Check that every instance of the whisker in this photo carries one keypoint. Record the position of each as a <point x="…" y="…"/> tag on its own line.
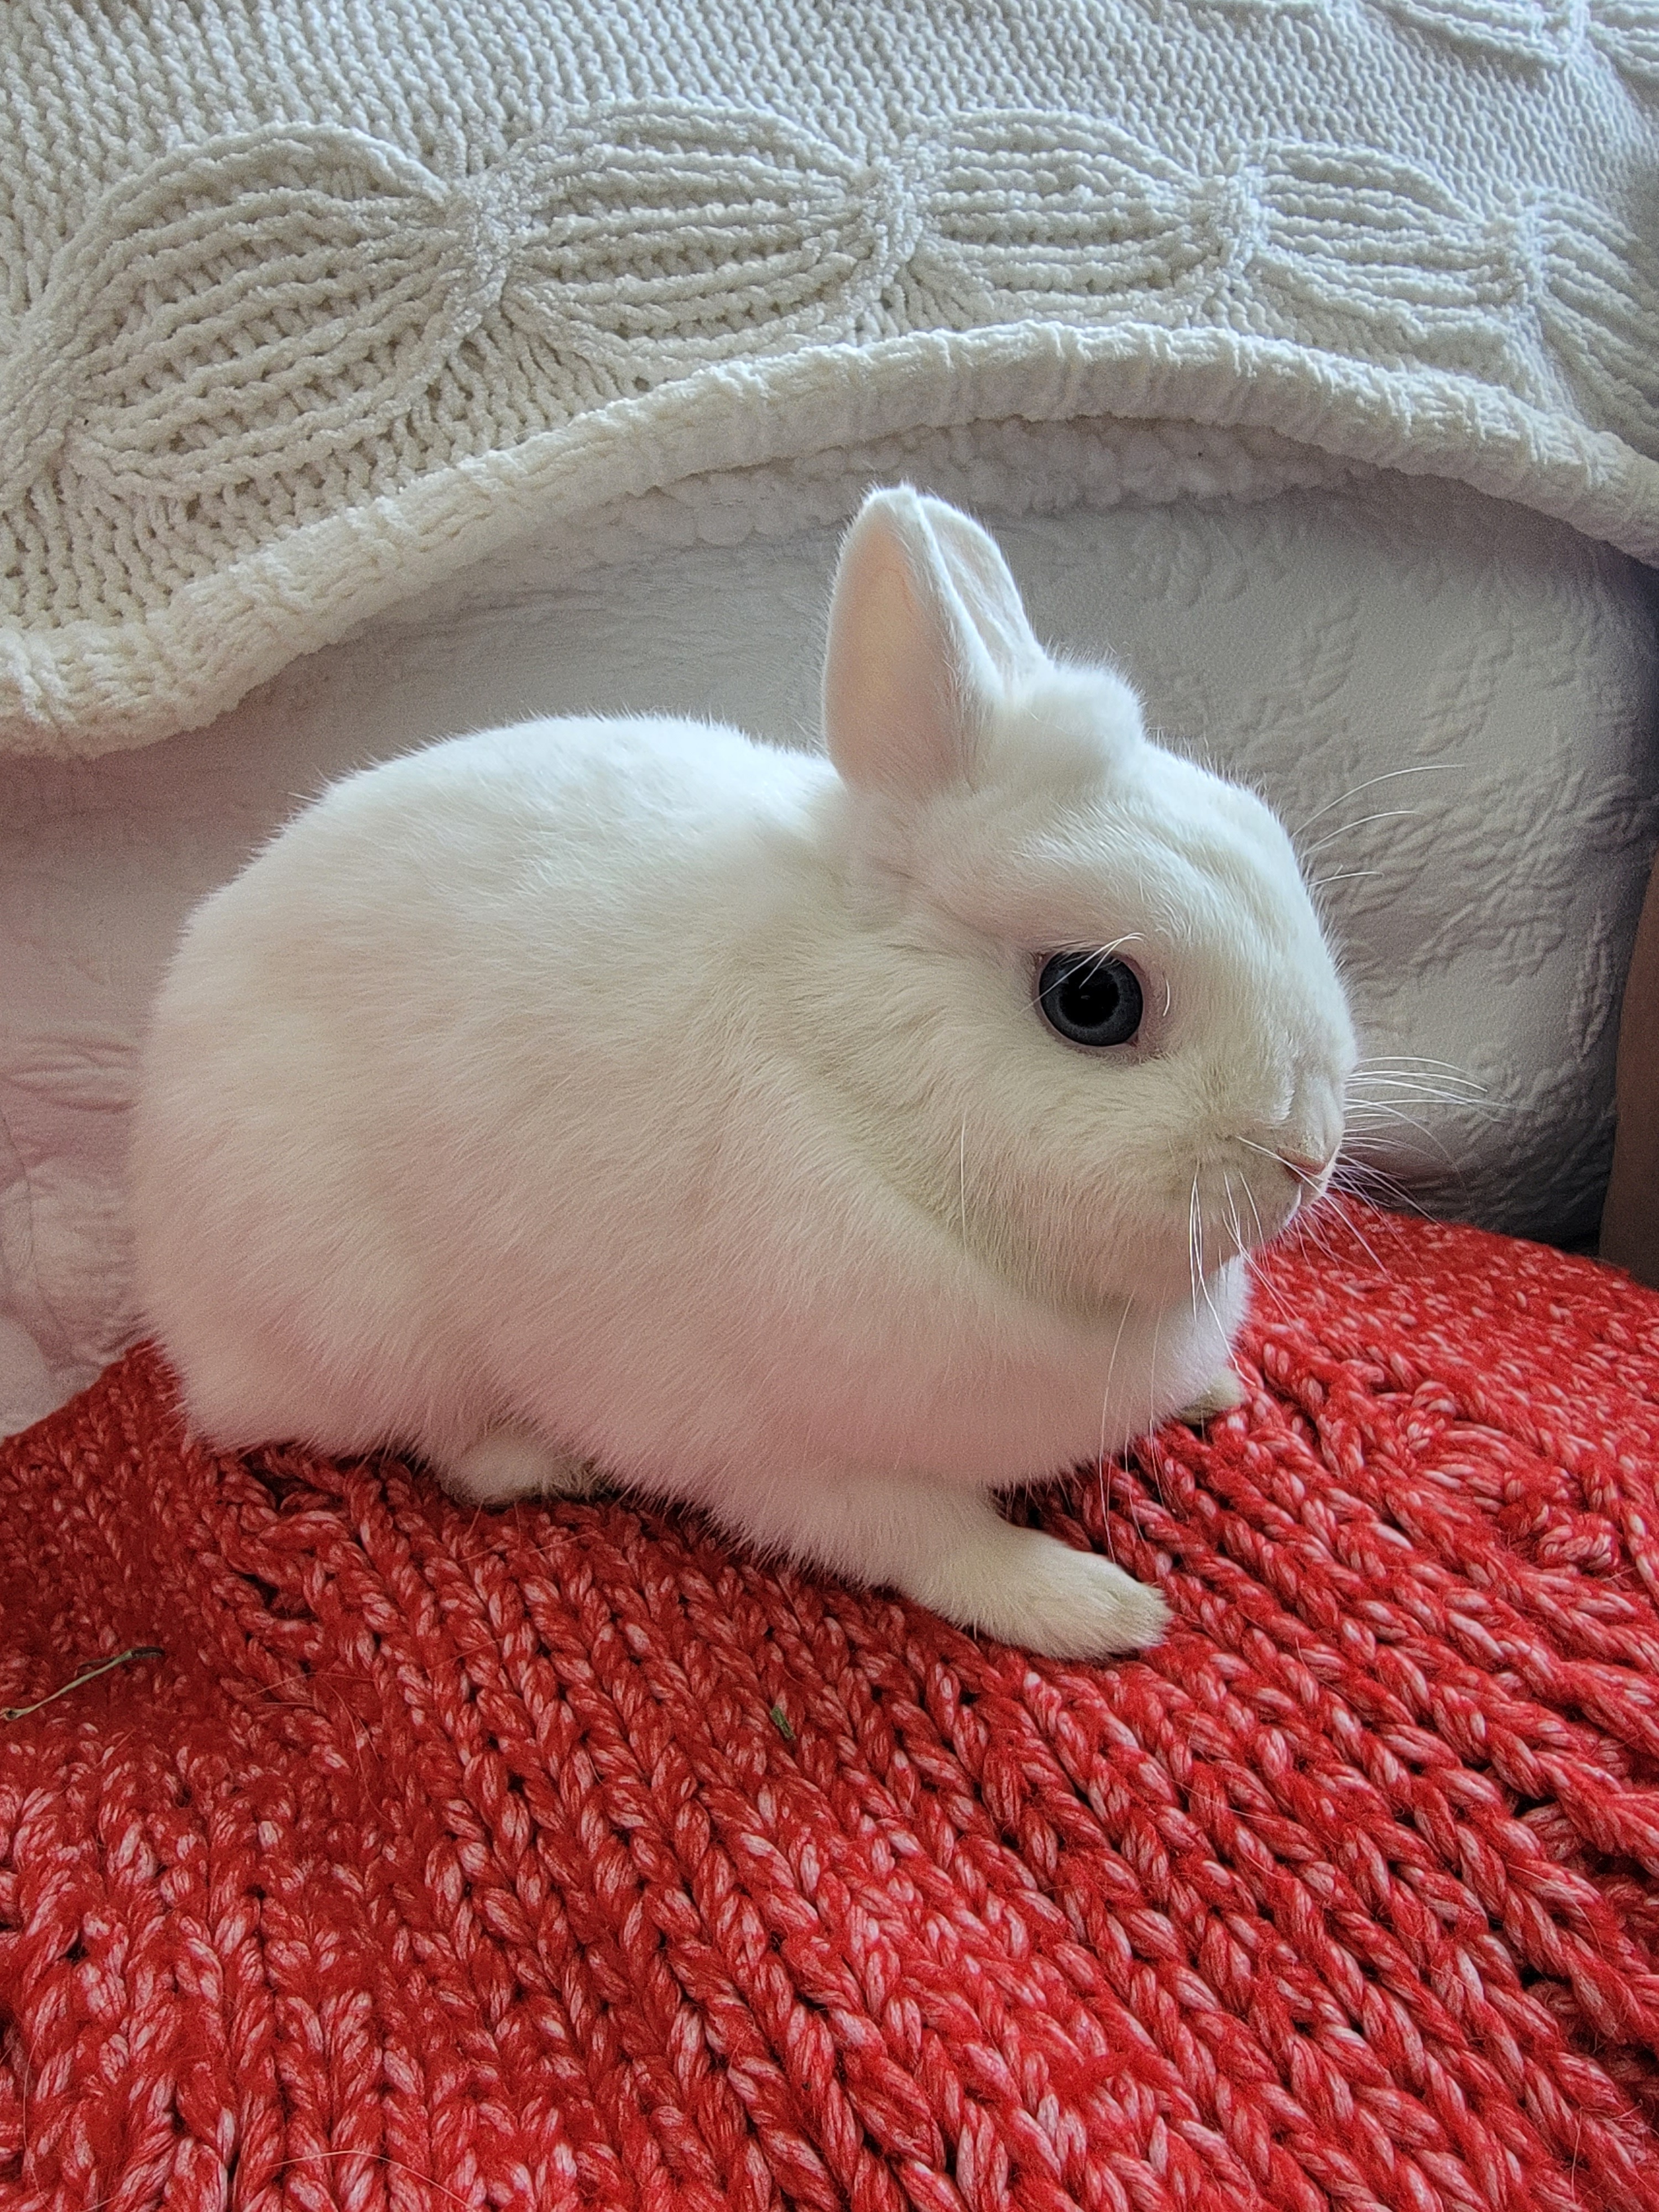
<point x="1390" y="1090"/>
<point x="1105" y="1407"/>
<point x="1391" y="1110"/>
<point x="1192" y="1240"/>
<point x="1203" y="1280"/>
<point x="1490" y="1110"/>
<point x="1424" y="768"/>
<point x="1386" y="814"/>
<point x="1308" y="1230"/>
<point x="1396" y="1113"/>
<point x="1418" y="1157"/>
<point x="1437" y="1081"/>
<point x="1242" y="1244"/>
<point x="1100" y="953"/>
<point x="1255" y="1211"/>
<point x="1380" y="1073"/>
<point x="1413" y="1059"/>
<point x="1149" y="1458"/>
<point x="1359" y="1178"/>
<point x="1323" y="1220"/>
<point x="1481" y="1108"/>
<point x="1261" y="1281"/>
<point x="1365" y="1243"/>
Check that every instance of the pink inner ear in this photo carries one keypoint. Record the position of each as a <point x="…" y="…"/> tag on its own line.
<point x="906" y="677"/>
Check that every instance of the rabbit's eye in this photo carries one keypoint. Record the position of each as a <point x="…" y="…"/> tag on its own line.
<point x="1090" y="997"/>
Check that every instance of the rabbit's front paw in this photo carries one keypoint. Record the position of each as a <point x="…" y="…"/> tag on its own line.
<point x="1032" y="1590"/>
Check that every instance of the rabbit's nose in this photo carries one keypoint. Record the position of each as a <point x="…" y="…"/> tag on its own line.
<point x="1309" y="1170"/>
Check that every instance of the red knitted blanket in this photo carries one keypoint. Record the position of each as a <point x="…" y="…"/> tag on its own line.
<point x="565" y="1858"/>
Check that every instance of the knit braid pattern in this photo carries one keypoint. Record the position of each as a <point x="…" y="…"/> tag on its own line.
<point x="566" y="1858"/>
<point x="302" y="307"/>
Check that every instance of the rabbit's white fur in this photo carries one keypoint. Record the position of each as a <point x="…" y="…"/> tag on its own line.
<point x="632" y="1097"/>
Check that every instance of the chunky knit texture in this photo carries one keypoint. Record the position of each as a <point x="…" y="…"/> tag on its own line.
<point x="562" y="1858"/>
<point x="304" y="306"/>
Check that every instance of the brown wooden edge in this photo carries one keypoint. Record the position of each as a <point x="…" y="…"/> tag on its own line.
<point x="1630" y="1215"/>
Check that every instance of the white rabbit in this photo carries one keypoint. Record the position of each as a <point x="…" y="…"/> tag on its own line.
<point x="831" y="1143"/>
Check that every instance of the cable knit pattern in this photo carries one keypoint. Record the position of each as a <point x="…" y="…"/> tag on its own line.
<point x="305" y="307"/>
<point x="563" y="1858"/>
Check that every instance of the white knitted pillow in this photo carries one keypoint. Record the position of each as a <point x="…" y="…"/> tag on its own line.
<point x="305" y="306"/>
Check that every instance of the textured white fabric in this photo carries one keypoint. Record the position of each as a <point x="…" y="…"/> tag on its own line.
<point x="1484" y="899"/>
<point x="307" y="306"/>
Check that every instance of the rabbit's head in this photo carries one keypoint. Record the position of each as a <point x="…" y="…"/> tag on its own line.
<point x="1085" y="1005"/>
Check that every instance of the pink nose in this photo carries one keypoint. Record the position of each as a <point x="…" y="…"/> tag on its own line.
<point x="1309" y="1170"/>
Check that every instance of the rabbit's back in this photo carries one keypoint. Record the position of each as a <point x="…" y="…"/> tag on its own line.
<point x="451" y="1002"/>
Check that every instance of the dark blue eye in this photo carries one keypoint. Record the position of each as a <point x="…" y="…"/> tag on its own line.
<point x="1090" y="997"/>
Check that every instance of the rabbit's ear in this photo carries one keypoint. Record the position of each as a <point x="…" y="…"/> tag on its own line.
<point x="927" y="633"/>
